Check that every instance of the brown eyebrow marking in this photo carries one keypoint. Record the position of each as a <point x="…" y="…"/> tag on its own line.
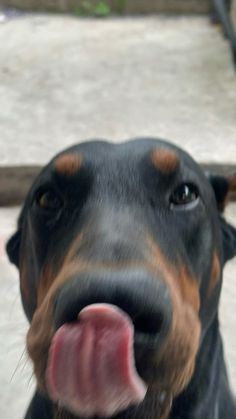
<point x="68" y="164"/>
<point x="165" y="160"/>
<point x="215" y="273"/>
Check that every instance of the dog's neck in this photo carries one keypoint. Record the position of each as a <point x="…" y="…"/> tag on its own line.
<point x="201" y="399"/>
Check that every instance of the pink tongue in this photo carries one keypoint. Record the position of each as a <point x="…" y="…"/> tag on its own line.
<point x="91" y="367"/>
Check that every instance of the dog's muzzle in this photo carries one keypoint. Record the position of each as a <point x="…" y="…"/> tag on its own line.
<point x="100" y="319"/>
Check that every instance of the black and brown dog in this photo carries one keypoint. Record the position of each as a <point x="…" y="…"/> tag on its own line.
<point x="120" y="250"/>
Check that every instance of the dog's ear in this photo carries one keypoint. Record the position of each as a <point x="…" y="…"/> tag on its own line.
<point x="13" y="248"/>
<point x="14" y="242"/>
<point x="224" y="188"/>
<point x="229" y="239"/>
<point x="225" y="191"/>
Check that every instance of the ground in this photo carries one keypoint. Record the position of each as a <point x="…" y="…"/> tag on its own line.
<point x="63" y="80"/>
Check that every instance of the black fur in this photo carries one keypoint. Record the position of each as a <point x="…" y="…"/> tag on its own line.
<point x="121" y="178"/>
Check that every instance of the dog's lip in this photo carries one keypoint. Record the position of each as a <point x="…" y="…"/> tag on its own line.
<point x="148" y="341"/>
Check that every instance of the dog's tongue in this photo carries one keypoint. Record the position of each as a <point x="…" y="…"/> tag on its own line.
<point x="91" y="367"/>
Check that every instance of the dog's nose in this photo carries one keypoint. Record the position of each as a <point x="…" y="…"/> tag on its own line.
<point x="144" y="298"/>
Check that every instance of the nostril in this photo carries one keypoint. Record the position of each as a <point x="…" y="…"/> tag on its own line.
<point x="147" y="324"/>
<point x="67" y="308"/>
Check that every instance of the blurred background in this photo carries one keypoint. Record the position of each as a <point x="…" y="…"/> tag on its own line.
<point x="74" y="70"/>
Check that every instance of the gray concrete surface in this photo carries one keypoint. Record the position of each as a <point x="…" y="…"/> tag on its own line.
<point x="15" y="368"/>
<point x="63" y="80"/>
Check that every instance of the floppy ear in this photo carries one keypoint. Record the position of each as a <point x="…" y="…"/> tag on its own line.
<point x="13" y="248"/>
<point x="229" y="239"/>
<point x="225" y="191"/>
<point x="224" y="188"/>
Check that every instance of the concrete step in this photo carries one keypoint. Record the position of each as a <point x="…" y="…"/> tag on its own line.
<point x="112" y="6"/>
<point x="63" y="80"/>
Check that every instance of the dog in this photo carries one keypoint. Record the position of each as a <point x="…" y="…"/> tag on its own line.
<point x="120" y="249"/>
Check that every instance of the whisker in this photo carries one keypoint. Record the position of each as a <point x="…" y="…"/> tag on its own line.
<point x="30" y="381"/>
<point x="18" y="364"/>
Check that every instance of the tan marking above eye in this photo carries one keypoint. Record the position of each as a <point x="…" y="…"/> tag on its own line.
<point x="68" y="164"/>
<point x="165" y="160"/>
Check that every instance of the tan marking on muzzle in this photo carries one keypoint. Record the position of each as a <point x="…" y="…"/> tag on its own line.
<point x="176" y="276"/>
<point x="175" y="361"/>
<point x="178" y="354"/>
<point x="46" y="280"/>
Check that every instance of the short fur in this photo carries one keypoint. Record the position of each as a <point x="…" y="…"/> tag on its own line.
<point x="114" y="220"/>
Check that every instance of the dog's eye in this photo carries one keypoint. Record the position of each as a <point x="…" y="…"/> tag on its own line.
<point x="49" y="200"/>
<point x="186" y="194"/>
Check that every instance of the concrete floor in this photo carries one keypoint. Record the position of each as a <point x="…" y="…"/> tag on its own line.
<point x="64" y="79"/>
<point x="15" y="369"/>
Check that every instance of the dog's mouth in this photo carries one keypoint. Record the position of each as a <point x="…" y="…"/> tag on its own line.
<point x="91" y="366"/>
<point x="104" y="361"/>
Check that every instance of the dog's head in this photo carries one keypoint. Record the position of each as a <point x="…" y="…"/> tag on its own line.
<point x="120" y="250"/>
